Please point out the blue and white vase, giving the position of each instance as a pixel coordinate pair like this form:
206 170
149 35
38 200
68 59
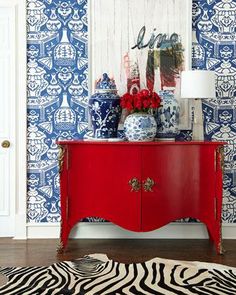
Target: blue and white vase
104 108
167 116
140 127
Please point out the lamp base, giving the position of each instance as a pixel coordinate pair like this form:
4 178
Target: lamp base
198 133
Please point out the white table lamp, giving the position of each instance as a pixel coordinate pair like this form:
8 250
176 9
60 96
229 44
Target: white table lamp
198 84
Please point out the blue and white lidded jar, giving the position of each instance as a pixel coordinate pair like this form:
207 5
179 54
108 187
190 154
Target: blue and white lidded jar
167 116
104 108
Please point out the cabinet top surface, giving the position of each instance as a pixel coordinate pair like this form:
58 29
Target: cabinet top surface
94 142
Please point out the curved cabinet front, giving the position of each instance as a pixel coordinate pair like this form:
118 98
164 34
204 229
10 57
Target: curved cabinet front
141 186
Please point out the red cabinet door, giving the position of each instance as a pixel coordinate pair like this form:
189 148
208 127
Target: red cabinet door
99 176
184 177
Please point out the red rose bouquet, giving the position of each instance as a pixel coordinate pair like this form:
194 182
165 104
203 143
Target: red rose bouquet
143 101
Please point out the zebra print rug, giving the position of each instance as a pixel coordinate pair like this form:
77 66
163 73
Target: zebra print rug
96 274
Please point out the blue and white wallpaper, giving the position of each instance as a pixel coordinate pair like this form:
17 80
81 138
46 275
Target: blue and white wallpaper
57 95
214 48
57 49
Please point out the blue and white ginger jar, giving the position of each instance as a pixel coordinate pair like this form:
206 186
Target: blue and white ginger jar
140 127
104 108
167 116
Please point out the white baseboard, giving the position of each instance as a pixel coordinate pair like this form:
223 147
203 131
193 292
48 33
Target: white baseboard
85 230
20 227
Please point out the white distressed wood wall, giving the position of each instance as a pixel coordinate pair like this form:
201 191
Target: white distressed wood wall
113 29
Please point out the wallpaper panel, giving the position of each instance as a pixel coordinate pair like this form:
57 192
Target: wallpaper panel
57 49
57 95
214 48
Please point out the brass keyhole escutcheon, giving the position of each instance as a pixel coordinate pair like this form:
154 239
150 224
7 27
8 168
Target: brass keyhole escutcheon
6 144
135 184
148 184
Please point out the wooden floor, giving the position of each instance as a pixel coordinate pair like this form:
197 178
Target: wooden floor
43 252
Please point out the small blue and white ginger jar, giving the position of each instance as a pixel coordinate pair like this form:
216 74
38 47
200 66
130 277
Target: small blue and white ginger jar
104 108
140 127
167 116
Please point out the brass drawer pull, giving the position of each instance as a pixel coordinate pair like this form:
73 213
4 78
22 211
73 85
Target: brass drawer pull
135 184
148 184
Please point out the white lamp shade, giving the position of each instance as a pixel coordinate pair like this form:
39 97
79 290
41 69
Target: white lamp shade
198 84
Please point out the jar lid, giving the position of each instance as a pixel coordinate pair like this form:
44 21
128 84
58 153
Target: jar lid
105 83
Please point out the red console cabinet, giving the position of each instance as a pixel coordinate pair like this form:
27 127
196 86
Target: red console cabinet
141 186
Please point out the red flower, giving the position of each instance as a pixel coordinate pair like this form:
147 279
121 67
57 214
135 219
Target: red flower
144 92
143 101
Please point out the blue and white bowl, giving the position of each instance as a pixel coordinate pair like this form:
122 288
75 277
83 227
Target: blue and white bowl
140 127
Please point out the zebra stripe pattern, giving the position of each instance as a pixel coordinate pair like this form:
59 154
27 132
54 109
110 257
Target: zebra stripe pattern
96 275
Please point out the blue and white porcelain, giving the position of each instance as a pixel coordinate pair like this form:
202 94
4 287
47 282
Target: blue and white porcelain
140 127
167 116
104 108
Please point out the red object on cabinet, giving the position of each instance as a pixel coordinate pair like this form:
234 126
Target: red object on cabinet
141 186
